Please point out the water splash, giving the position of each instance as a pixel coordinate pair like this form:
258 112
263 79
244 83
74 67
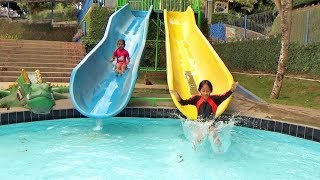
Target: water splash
201 134
98 126
220 139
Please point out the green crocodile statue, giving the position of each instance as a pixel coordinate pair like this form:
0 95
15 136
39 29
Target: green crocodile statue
29 91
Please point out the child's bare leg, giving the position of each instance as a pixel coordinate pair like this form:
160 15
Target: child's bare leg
198 138
123 67
216 139
118 68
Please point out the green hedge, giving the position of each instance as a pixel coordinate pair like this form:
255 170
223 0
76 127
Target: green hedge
302 3
15 29
96 22
262 55
223 18
61 12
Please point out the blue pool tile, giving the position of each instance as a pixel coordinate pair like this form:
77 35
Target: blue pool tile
41 117
172 113
56 114
293 130
12 118
301 131
69 113
153 113
76 113
264 125
128 112
241 123
135 112
316 135
63 113
20 117
34 117
308 133
285 128
4 118
121 114
271 125
249 121
49 116
160 113
223 117
166 113
278 127
257 123
27 116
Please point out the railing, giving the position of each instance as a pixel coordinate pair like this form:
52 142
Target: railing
84 10
305 26
247 27
170 5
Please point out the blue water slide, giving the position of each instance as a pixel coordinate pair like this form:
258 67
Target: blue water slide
95 90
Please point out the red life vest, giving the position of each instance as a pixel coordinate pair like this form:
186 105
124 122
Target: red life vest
210 101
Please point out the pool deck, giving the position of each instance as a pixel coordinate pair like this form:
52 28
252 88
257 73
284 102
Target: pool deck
241 104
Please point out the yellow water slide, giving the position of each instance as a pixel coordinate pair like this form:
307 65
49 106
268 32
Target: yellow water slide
191 59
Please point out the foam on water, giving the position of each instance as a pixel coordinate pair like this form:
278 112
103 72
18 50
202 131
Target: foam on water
199 134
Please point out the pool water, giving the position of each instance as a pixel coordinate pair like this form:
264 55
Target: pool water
143 148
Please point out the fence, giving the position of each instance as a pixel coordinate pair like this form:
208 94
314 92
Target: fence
84 9
170 5
305 27
252 26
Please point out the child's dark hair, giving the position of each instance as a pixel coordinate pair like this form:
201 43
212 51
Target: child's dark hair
207 82
124 42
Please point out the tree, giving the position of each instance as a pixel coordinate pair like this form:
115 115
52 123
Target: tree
284 8
243 6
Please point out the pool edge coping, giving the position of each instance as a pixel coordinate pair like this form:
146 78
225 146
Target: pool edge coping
273 125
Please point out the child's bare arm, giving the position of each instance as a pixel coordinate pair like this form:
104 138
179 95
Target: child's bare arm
112 58
234 86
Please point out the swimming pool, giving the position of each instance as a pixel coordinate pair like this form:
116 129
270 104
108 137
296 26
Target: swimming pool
144 148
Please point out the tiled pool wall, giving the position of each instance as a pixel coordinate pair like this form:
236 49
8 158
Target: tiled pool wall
245 121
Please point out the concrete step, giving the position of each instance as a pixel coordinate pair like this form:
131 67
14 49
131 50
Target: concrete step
45 69
41 59
54 59
43 73
36 42
42 50
6 45
45 79
44 47
24 64
44 56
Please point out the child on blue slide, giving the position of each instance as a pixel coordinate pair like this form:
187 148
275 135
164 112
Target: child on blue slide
122 55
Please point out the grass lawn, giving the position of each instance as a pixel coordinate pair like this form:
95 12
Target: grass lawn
295 92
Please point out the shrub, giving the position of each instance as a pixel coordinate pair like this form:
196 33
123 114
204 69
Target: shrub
96 22
13 29
262 55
